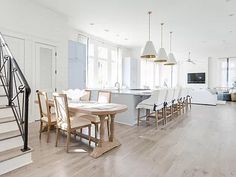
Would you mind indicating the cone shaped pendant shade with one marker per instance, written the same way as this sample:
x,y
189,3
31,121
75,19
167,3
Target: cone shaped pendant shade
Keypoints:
x,y
149,51
171,58
161,55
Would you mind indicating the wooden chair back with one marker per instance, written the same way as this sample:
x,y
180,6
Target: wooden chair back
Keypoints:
x,y
44,107
104,97
87,96
62,111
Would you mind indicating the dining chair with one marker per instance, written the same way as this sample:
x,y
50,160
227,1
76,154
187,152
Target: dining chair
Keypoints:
x,y
65,122
46,117
86,96
103,97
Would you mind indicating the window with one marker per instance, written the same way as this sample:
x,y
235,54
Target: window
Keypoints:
x,y
157,75
114,67
149,74
104,65
90,70
228,72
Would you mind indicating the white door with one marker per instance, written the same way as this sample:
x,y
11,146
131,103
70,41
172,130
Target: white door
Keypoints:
x,y
46,68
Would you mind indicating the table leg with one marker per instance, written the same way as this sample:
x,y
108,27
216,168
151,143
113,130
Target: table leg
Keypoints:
x,y
112,128
101,140
105,146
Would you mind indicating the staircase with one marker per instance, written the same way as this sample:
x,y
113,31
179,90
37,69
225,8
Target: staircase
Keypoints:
x,y
14,97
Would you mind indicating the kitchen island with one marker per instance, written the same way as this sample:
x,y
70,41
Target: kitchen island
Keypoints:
x,y
129,97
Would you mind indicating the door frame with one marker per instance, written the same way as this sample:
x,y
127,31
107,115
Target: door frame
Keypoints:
x,y
37,64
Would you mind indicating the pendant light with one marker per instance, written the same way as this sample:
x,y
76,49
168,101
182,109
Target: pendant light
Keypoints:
x,y
161,56
171,58
149,51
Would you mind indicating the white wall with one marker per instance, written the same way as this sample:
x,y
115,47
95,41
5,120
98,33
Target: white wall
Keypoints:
x,y
185,67
214,72
33,23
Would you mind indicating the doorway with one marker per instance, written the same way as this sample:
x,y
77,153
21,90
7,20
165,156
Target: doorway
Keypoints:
x,y
46,68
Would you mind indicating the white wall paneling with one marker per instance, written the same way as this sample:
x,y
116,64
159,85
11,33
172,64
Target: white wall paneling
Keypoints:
x,y
24,26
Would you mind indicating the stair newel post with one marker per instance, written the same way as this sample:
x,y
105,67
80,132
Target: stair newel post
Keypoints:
x,y
26,119
10,81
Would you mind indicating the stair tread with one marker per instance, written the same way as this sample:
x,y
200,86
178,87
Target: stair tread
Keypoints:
x,y
7,119
4,106
8,135
11,153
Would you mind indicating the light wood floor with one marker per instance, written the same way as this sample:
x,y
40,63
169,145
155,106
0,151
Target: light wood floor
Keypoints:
x,y
202,143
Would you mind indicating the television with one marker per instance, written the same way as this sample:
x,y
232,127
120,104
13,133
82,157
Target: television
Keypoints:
x,y
196,78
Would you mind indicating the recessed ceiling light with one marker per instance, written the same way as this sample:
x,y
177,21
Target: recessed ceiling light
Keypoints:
x,y
106,30
117,35
126,39
91,24
227,0
231,15
230,31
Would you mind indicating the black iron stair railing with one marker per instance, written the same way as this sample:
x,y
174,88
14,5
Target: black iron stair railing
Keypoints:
x,y
16,88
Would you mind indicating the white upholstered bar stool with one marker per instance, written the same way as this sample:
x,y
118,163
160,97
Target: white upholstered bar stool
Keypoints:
x,y
153,105
168,109
188,99
147,105
182,99
160,104
175,104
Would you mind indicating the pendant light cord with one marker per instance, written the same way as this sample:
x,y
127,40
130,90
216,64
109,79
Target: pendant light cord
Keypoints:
x,y
149,13
171,41
162,34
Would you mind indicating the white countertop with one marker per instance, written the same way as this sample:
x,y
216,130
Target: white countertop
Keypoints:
x,y
138,92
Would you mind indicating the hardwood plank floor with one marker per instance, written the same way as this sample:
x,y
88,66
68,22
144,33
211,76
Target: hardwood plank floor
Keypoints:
x,y
200,143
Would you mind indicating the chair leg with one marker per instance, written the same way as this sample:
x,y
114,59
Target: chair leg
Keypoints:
x,y
40,130
147,117
164,115
96,133
57,136
171,111
138,118
75,134
81,131
156,119
48,132
190,103
68,141
89,133
108,127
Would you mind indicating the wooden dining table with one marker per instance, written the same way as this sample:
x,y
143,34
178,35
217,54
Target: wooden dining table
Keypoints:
x,y
102,110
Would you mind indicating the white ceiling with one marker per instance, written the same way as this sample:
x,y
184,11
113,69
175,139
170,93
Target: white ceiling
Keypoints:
x,y
203,27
